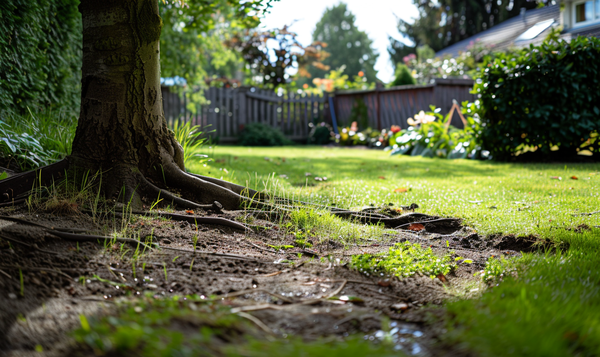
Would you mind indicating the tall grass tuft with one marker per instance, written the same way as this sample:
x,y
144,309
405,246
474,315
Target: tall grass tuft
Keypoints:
x,y
191,139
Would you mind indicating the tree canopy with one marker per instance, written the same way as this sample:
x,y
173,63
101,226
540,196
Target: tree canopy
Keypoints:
x,y
347,45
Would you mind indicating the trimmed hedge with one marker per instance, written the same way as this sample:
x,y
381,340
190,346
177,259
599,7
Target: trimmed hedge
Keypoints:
x,y
40,55
256,134
544,99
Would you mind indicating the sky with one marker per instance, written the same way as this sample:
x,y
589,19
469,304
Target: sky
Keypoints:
x,y
375,17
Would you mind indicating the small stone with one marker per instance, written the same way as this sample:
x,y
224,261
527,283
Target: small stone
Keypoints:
x,y
400,306
12,296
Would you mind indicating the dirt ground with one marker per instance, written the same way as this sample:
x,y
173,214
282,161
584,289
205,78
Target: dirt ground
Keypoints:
x,y
283,289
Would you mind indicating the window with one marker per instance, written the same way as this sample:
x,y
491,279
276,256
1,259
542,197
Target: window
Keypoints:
x,y
587,11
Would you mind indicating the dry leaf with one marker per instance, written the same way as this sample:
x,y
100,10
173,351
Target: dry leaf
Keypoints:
x,y
382,177
416,227
574,178
442,278
401,189
385,283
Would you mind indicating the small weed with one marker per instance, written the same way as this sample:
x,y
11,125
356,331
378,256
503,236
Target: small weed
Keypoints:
x,y
403,260
496,269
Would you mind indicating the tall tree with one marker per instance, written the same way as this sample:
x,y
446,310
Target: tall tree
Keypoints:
x,y
442,23
346,44
121,126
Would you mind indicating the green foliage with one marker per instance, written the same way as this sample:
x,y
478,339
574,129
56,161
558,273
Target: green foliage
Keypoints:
x,y
30,141
320,134
402,76
269,55
40,55
350,136
191,139
544,99
359,114
256,134
430,135
403,260
346,44
496,269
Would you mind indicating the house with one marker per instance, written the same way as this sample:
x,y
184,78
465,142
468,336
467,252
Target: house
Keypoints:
x,y
577,17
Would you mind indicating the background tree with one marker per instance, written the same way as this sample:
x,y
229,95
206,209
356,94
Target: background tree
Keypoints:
x,y
346,44
445,22
270,55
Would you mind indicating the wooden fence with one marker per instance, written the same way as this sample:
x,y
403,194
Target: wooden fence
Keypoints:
x,y
229,110
393,106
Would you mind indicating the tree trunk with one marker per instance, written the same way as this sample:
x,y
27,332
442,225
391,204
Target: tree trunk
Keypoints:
x,y
122,130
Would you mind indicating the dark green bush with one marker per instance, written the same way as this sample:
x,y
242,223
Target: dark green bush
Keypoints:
x,y
403,76
321,134
544,100
40,55
257,134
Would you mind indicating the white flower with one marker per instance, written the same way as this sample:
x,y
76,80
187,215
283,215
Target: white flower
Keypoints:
x,y
421,118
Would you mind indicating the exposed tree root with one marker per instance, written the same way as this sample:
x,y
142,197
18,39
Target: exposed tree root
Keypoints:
x,y
30,246
206,193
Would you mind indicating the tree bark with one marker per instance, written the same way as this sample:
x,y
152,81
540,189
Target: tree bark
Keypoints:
x,y
122,130
121,124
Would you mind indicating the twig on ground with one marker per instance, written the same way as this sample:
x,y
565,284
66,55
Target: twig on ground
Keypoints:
x,y
224,255
585,213
16,241
3,272
256,321
259,247
430,221
250,291
36,269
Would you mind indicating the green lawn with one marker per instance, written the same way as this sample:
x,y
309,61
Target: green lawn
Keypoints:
x,y
551,308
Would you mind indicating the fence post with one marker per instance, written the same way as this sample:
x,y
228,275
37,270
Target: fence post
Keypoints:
x,y
241,93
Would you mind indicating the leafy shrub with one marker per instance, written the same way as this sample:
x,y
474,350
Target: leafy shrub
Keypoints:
x,y
430,135
27,142
257,134
359,113
350,136
320,134
40,56
545,99
402,76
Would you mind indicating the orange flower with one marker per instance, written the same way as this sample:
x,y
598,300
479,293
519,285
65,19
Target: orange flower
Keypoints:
x,y
361,74
305,86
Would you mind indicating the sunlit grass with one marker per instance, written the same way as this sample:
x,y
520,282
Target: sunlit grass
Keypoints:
x,y
490,197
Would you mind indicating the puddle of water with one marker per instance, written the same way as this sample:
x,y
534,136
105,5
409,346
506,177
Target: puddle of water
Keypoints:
x,y
403,336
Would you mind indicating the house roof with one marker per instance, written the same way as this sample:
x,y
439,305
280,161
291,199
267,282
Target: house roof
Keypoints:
x,y
506,33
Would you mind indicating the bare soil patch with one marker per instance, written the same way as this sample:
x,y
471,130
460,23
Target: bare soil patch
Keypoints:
x,y
47,282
